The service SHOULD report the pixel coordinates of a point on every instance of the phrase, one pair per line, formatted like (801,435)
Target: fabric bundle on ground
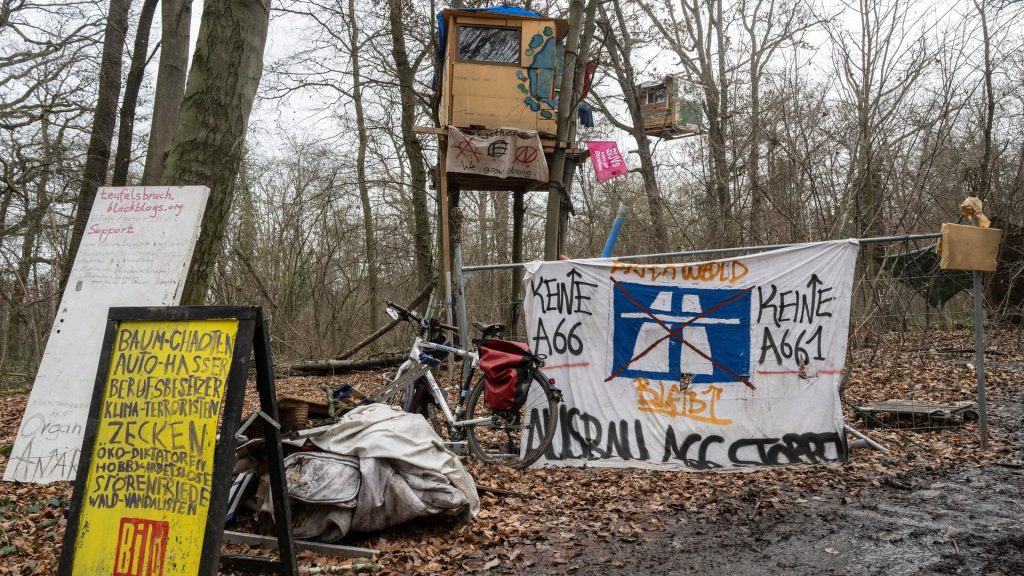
(379,467)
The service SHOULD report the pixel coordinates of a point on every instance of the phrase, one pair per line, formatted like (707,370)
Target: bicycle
(515,438)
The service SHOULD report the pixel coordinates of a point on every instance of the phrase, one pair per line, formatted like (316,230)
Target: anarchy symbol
(467,148)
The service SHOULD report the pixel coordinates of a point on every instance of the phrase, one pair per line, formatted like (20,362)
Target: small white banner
(135,252)
(501,153)
(727,364)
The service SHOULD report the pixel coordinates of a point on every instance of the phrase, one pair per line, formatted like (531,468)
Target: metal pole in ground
(979,360)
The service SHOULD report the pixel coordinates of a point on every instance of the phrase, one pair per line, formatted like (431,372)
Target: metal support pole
(718,251)
(979,360)
(613,236)
(460,305)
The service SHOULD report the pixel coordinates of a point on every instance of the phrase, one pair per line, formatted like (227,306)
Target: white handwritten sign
(727,364)
(501,153)
(135,252)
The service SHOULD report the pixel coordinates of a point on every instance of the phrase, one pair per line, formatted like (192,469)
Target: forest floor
(936,504)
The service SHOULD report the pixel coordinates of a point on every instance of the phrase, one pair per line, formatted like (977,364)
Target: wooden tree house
(500,68)
(671,107)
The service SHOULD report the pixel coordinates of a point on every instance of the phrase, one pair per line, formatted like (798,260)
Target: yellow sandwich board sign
(150,497)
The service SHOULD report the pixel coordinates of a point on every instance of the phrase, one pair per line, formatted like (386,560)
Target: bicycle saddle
(486,329)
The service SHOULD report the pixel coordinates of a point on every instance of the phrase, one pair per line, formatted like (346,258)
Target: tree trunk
(369,242)
(499,226)
(566,110)
(140,54)
(207,145)
(98,152)
(720,137)
(21,342)
(518,215)
(754,155)
(175,21)
(565,208)
(985,168)
(620,50)
(413,147)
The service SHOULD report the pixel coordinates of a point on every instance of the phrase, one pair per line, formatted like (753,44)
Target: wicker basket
(294,416)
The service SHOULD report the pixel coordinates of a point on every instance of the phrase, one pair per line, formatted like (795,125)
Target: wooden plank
(916,407)
(270,543)
(265,387)
(446,255)
(430,130)
(547,142)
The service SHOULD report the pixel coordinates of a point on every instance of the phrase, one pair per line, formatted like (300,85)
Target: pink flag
(607,161)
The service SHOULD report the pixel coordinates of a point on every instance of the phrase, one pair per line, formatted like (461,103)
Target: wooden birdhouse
(501,69)
(671,108)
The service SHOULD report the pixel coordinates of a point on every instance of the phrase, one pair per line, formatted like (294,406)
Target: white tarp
(135,252)
(378,431)
(501,153)
(727,364)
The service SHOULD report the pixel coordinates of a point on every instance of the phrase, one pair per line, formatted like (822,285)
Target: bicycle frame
(419,364)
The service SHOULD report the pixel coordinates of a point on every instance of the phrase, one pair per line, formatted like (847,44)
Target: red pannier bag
(505,365)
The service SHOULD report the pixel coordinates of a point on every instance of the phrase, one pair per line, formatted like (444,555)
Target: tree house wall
(678,114)
(508,94)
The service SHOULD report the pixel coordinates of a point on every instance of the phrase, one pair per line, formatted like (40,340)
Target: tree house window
(489,44)
(657,95)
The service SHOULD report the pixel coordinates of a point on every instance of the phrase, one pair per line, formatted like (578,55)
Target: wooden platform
(469,182)
(917,414)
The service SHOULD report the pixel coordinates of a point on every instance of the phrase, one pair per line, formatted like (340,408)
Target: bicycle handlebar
(412,315)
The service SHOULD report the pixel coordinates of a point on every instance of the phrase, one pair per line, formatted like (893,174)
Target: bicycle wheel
(515,438)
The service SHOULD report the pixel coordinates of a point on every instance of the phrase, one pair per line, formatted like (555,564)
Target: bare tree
(698,34)
(175,22)
(104,119)
(619,41)
(566,117)
(136,72)
(207,145)
(879,65)
(369,242)
(406,73)
(770,26)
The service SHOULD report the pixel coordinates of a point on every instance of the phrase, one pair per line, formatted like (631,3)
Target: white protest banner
(135,252)
(728,364)
(501,153)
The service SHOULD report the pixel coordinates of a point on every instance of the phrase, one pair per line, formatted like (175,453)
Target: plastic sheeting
(379,467)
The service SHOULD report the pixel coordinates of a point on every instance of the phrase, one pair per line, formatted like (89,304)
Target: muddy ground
(936,504)
(963,519)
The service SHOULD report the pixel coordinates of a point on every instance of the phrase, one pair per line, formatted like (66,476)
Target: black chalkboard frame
(251,340)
